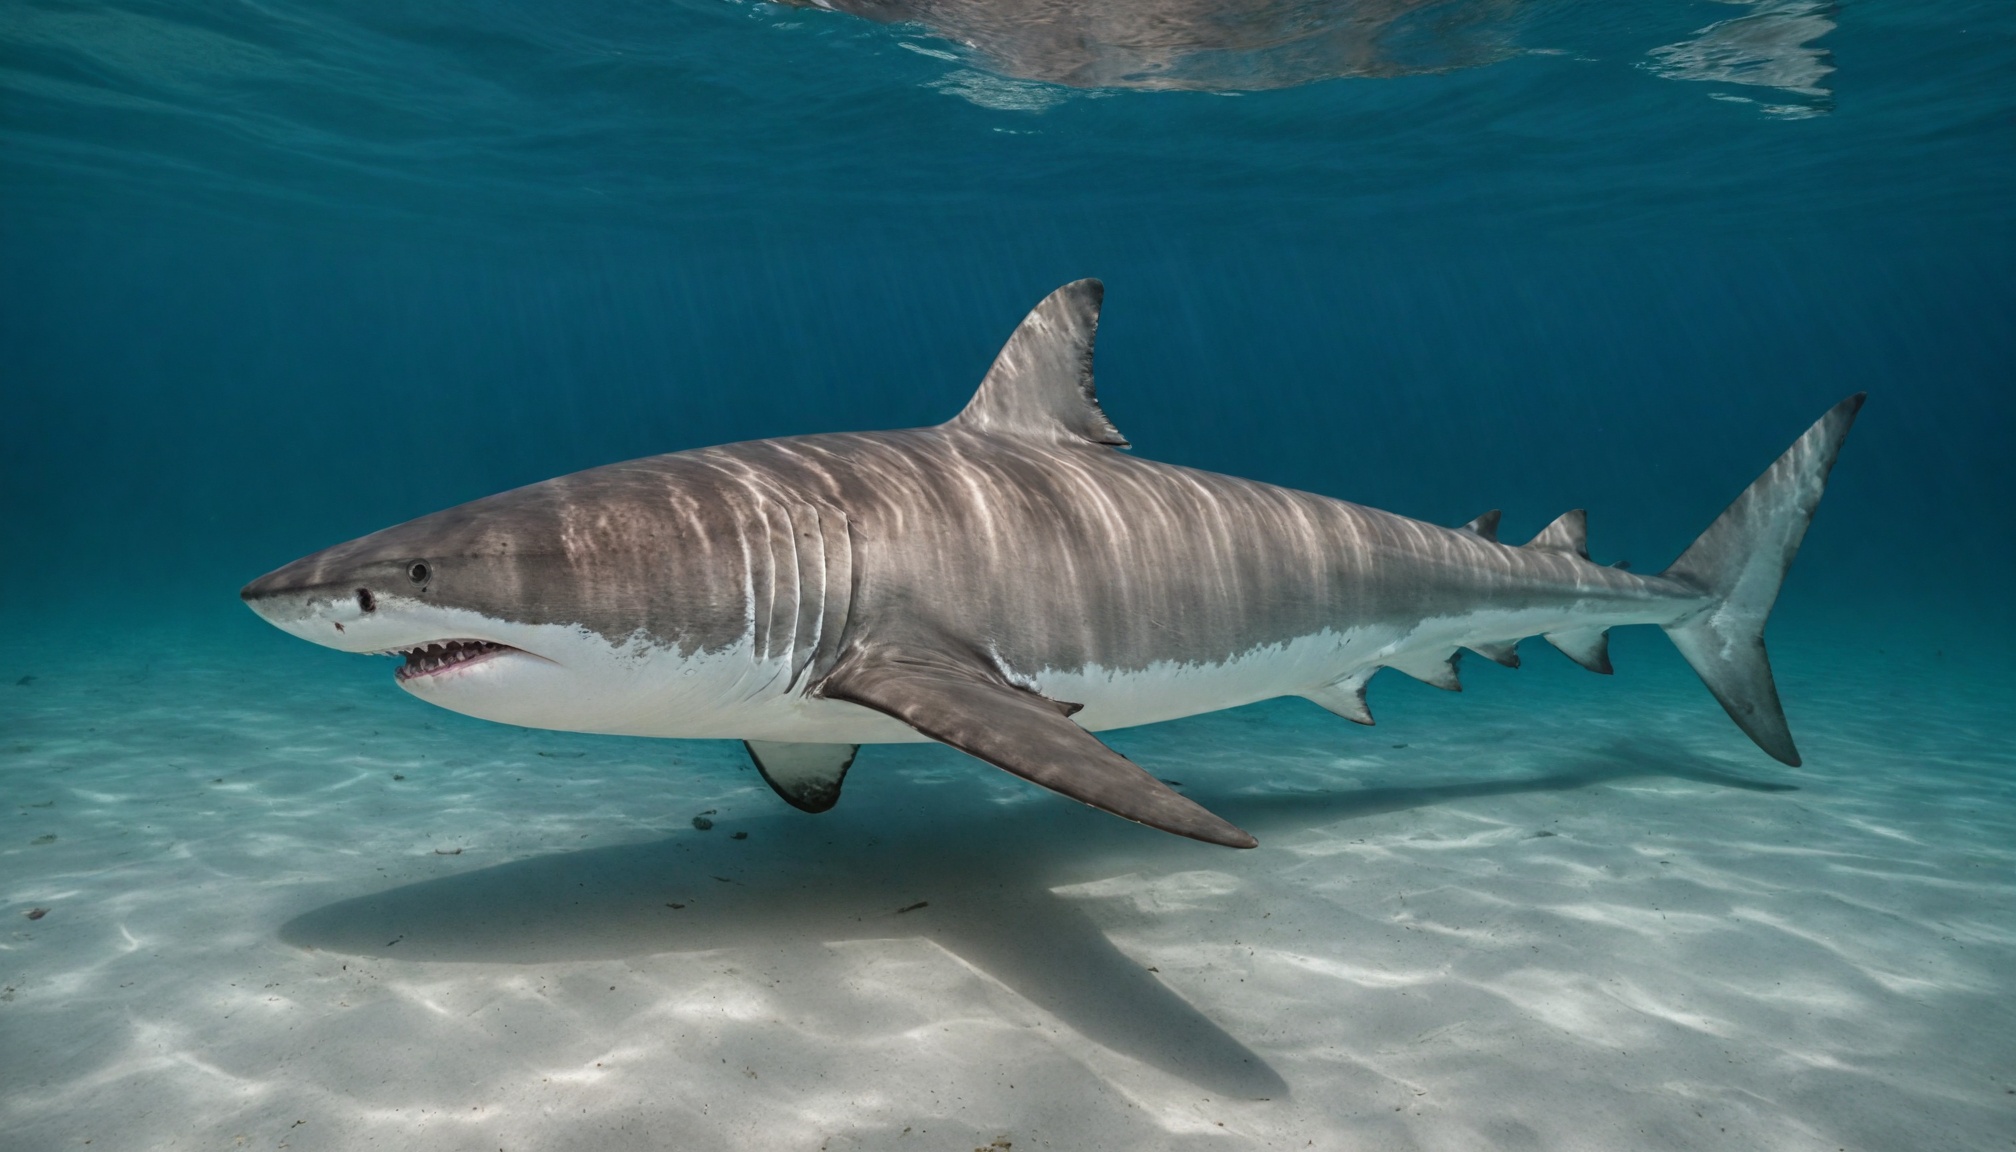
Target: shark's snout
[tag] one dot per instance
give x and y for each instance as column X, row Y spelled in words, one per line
column 340, row 599
column 325, row 614
column 360, row 598
column 333, row 574
column 334, row 590
column 267, row 589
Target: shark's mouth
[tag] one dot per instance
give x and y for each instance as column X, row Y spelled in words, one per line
column 440, row 655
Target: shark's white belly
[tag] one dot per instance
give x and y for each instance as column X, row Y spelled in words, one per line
column 640, row 688
column 1171, row 689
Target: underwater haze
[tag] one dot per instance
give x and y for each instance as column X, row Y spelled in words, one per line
column 278, row 275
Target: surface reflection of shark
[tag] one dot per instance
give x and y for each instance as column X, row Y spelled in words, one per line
column 1771, row 46
column 982, row 889
column 1218, row 45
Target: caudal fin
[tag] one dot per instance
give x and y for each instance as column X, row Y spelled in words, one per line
column 1740, row 561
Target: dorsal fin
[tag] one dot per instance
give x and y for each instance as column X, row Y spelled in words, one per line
column 1569, row 533
column 1485, row 526
column 1041, row 383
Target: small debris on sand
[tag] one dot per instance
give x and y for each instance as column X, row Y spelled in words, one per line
column 914, row 907
column 1171, row 783
column 702, row 823
column 447, row 851
column 397, row 776
column 1399, row 745
column 1539, row 834
column 36, row 913
column 47, row 838
column 675, row 905
column 739, row 836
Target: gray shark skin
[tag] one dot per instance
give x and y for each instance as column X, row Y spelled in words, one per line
column 1006, row 583
column 1209, row 45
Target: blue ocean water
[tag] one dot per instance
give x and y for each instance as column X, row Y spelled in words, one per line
column 276, row 275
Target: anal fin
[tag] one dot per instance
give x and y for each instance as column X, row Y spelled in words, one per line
column 1504, row 652
column 807, row 776
column 1346, row 698
column 1430, row 667
column 1589, row 647
column 961, row 702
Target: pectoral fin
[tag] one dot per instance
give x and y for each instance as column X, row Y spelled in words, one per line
column 807, row 776
column 968, row 705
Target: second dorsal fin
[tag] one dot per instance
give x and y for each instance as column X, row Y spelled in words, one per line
column 1568, row 533
column 1041, row 383
column 1485, row 526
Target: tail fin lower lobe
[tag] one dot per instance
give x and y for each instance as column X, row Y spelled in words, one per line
column 1740, row 561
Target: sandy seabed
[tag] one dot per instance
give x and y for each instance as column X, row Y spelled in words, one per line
column 287, row 906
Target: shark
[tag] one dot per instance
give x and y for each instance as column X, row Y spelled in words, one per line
column 1009, row 583
column 1202, row 45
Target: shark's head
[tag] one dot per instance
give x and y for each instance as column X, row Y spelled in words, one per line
column 437, row 591
column 539, row 606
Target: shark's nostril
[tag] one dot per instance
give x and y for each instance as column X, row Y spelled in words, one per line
column 365, row 600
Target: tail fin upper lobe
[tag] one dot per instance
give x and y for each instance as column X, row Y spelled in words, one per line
column 1740, row 561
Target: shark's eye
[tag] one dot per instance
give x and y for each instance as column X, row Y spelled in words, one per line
column 418, row 572
column 365, row 600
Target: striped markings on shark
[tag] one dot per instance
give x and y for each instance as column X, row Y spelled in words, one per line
column 1007, row 583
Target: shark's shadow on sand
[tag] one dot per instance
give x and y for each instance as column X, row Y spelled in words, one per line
column 979, row 886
